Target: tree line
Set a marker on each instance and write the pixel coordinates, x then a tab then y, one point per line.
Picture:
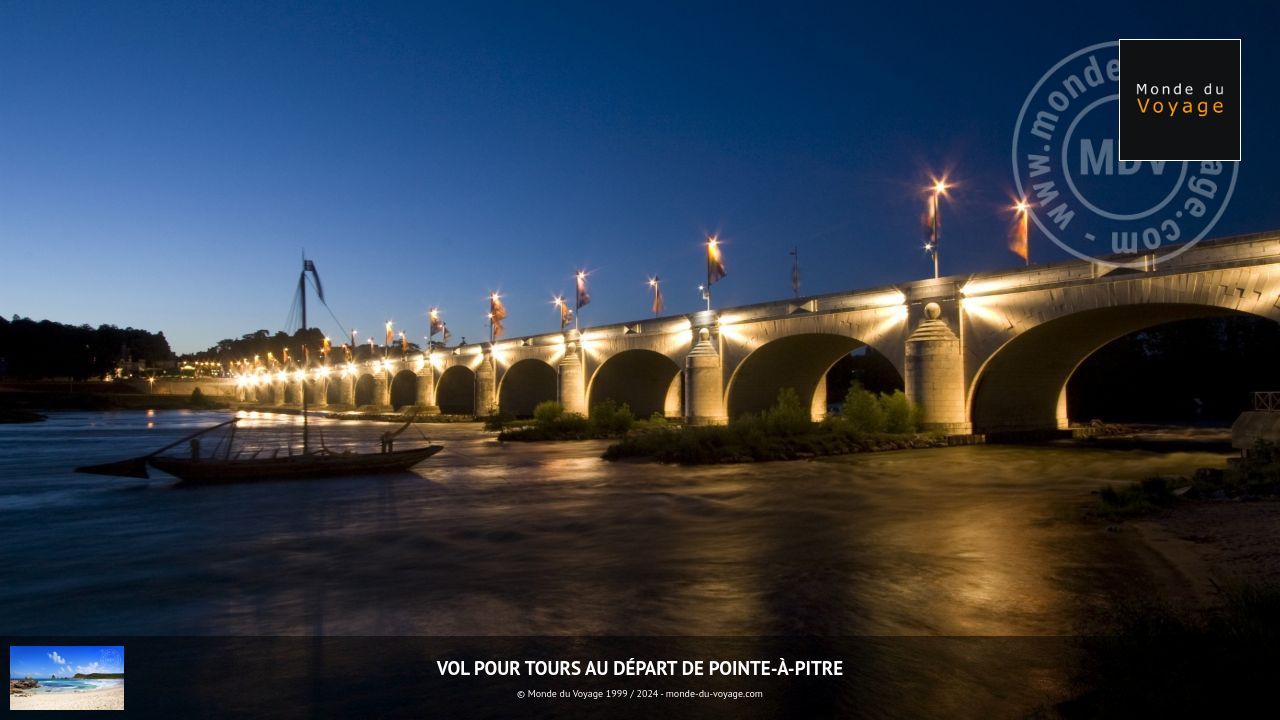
31	350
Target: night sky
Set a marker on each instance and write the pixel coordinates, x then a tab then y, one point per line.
163	165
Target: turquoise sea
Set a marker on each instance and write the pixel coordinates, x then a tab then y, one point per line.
72	685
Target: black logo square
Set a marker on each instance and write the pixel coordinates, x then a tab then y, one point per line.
1179	100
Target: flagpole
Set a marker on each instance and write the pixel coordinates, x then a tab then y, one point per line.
939	189
936	221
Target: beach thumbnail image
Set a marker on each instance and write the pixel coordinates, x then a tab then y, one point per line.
66	677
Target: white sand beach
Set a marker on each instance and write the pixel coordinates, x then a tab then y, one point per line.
108	698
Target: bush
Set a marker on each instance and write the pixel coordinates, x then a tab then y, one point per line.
788	417
1137	499
497	421
899	415
200	400
863	410
609	418
548	412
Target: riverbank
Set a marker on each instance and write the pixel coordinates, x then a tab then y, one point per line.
108	698
1217	544
1196	637
40	401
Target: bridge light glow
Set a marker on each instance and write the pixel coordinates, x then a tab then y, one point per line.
892	319
983	309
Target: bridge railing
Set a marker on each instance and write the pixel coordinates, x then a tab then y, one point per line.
1267	401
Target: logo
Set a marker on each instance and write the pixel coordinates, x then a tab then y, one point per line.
1083	197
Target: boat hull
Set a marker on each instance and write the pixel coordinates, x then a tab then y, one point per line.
298	467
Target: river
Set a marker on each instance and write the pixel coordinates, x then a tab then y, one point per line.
549	540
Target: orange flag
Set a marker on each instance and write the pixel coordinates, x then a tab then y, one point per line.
1018	241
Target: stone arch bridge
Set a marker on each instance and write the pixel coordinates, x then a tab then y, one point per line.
978	353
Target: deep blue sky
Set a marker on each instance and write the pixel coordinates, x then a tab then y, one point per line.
163	165
42	661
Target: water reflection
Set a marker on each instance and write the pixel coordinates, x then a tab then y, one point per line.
489	539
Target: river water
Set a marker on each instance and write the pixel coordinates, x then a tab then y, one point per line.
547	539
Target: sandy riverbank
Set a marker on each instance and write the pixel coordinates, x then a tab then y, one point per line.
109	698
1216	544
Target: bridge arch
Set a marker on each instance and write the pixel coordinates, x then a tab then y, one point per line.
404	389
456	391
1023	384
364	390
646	380
525	384
799	362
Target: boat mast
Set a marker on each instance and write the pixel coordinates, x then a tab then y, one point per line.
302	291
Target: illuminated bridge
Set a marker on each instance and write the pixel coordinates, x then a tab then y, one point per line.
978	353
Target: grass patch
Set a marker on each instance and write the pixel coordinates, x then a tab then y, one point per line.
1137	499
784	432
550	422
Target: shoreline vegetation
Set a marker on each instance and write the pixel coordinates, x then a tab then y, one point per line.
868	422
1254	476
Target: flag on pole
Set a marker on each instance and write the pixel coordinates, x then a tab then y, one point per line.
309	266
497	313
347	350
389	335
404	342
715	261
932	221
286	356
583	298
306	355
1018	240
325	347
565	312
437	325
795	271
445	334
656	283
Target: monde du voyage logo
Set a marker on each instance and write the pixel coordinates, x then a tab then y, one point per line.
1150	206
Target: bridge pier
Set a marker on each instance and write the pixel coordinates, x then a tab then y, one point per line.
704	386
347	390
671	406
425	401
382	390
486	386
277	392
935	374
818	406
320	391
571	388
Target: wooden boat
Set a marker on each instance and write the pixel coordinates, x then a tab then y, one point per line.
321	463
225	465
